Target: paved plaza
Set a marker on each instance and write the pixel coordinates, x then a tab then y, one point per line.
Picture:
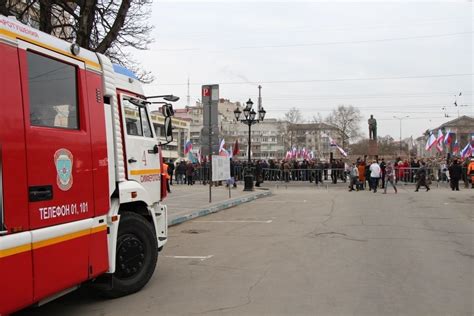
308	250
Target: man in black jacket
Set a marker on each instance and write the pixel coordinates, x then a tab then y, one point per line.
383	165
455	173
171	170
421	177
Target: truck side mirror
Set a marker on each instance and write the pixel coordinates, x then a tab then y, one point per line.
168	129
167	110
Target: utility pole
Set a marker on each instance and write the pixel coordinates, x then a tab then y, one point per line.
188	99
259	97
400	118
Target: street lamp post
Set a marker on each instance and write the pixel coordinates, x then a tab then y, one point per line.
249	119
400	118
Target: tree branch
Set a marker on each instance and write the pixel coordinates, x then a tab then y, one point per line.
114	31
86	23
45	16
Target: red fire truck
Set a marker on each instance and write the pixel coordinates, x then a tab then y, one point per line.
80	181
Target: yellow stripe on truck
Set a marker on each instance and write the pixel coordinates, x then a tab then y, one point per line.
56	240
15	250
143	172
90	63
51	241
98	229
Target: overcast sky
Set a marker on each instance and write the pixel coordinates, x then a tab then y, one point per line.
389	59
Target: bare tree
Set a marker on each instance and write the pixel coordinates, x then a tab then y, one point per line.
108	27
292	117
386	146
347	120
282	136
318	118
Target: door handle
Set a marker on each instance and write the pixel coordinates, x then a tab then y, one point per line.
132	160
40	193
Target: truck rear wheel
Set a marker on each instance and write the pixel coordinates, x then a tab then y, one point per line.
136	257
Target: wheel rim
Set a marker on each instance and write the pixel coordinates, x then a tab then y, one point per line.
131	254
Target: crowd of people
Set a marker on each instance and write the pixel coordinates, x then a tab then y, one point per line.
361	173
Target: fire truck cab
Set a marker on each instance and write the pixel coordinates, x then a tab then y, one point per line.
80	176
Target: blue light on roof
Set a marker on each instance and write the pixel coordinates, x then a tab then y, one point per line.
124	71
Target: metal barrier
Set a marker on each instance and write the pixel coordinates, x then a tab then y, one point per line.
325	175
301	175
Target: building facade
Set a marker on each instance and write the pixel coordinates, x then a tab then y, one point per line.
314	137
181	132
270	139
462	129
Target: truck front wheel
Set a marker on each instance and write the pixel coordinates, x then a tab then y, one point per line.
136	256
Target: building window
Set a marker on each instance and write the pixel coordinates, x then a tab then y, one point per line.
52	92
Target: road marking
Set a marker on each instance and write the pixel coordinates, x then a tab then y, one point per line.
264	222
202	258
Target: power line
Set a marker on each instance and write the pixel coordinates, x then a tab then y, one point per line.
320	80
320	43
394	94
297	29
390	108
354	97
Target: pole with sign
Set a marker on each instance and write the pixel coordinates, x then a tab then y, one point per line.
209	144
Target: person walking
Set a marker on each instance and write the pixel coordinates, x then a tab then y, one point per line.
354	176
470	172
361	168
232	174
455	174
189	173
421	177
383	165
181	172
171	170
166	176
374	175
334	171
286	170
258	173
389	177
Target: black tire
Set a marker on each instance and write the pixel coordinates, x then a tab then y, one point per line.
136	258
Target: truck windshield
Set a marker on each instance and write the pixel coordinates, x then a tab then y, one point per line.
136	119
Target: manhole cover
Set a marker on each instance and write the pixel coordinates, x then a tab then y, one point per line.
194	231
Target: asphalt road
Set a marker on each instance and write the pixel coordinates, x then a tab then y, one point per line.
309	251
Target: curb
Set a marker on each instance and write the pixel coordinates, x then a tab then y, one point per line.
217	208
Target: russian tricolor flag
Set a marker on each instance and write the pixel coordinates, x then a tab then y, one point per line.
456	147
467	151
448	138
431	141
439	141
187	147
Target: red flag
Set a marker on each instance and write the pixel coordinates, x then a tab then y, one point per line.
236	149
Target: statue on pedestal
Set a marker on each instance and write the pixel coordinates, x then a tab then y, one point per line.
372	128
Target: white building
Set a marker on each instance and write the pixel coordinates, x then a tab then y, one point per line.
181	132
270	139
462	129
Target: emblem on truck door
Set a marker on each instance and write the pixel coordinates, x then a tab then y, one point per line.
63	160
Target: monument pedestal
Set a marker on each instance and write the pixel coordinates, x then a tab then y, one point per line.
373	149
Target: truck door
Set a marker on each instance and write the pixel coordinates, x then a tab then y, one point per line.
16	270
143	162
59	167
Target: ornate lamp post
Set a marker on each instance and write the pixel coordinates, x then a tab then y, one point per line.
249	119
